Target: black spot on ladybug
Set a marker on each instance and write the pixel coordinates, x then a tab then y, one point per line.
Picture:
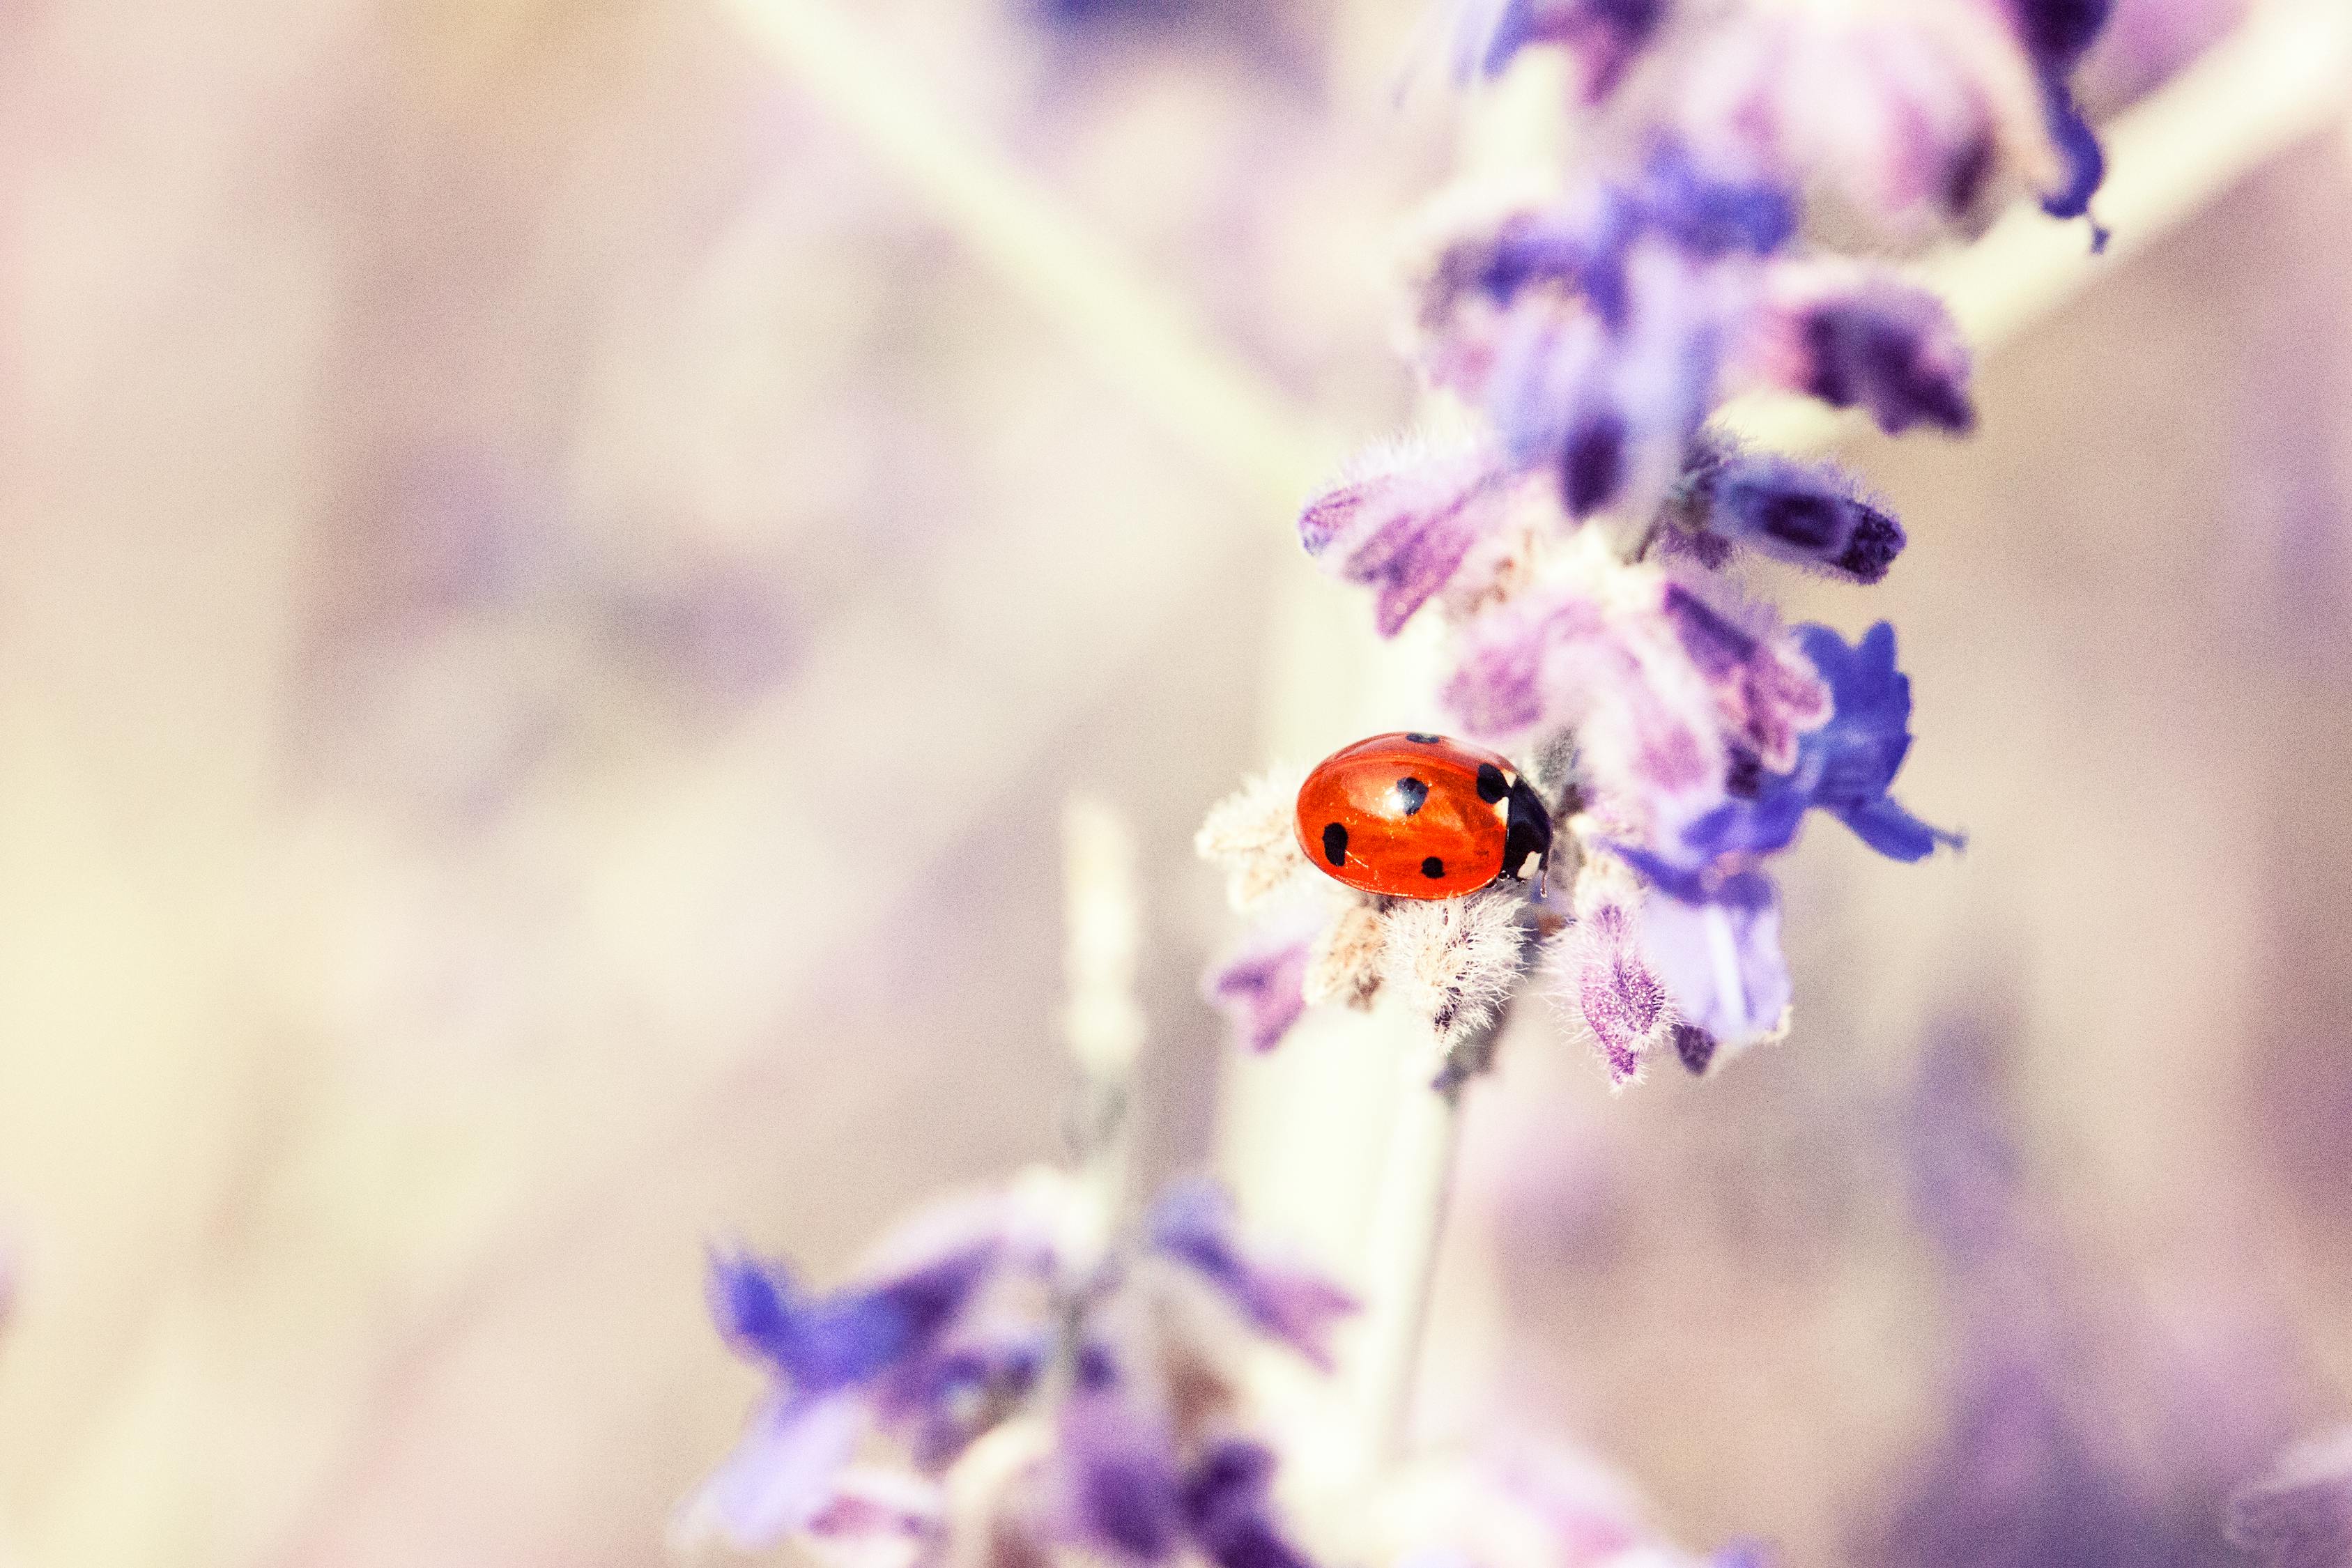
1492	786
1432	867
1414	792
1335	844
1419	739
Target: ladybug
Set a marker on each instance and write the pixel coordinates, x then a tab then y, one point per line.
1420	816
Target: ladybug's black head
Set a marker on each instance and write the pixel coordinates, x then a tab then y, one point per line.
1530	831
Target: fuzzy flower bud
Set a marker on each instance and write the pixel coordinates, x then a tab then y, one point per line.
1808	514
1859	337
1252	836
1454	961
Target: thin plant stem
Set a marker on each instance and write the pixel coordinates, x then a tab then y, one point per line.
1416	1188
1102	1022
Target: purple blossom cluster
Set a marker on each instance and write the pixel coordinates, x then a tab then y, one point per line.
1588	544
1049	1395
1050	1399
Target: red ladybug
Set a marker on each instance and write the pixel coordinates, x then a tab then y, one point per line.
1421	817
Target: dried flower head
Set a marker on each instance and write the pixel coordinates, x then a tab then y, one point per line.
1251	835
1454	961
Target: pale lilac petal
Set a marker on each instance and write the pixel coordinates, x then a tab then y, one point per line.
780	1478
1721	962
1194	1223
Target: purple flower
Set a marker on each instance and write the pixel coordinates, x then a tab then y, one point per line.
1604	36
1606	980
1229	1512
1720	959
1809	514
1193	1223
1121	1470
1262	990
1767	694
821	1344
1861	339
1846	767
2056	33
1404	527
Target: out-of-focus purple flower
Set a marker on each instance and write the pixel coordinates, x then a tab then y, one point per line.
1605	37
987	1321
1228	1510
820	1345
1809	514
1591	335
1911	113
1858	337
1120	1470
2299	1515
1262	989
1404	525
2055	34
1194	1224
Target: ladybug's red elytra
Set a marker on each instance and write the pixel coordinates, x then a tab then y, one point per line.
1418	816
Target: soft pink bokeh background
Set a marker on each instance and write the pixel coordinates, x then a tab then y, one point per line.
547	612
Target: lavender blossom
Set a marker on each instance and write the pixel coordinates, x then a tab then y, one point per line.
1844	767
1404	524
1601	975
1261	989
1720	960
1008	1360
2055	34
1859	337
1195	1224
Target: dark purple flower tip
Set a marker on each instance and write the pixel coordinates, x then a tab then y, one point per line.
1193	1223
1593	463
1894	354
1693	1048
2086	162
2058	32
849	1338
1808	514
1262	992
1228	1512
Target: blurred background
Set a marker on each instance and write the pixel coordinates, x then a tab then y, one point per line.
558	562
